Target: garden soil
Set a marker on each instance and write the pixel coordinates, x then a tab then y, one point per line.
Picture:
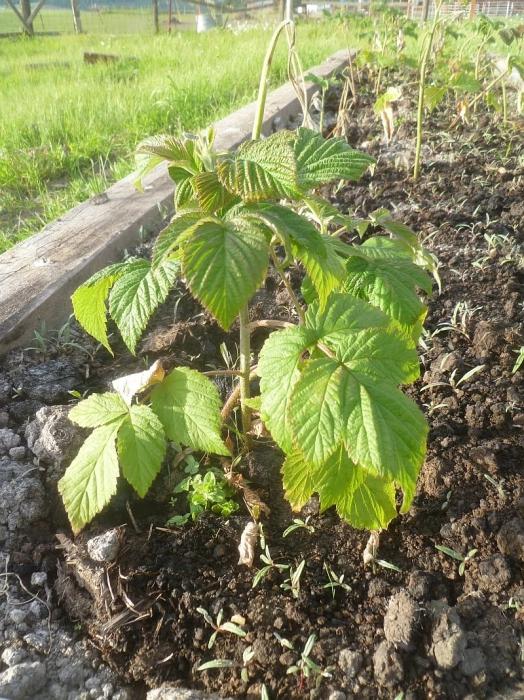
408	622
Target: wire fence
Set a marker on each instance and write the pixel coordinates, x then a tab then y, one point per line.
121	17
148	16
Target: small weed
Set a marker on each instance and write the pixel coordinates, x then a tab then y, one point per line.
293	582
463	559
335	581
233	627
269	565
305	665
299	524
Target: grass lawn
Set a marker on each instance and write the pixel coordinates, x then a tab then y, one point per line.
67	130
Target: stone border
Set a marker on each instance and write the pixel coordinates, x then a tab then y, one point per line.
38	275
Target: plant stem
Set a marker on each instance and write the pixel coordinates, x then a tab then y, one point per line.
223	373
504	104
422	89
245	360
245	343
279	268
263	84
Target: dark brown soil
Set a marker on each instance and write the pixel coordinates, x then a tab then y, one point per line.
470	493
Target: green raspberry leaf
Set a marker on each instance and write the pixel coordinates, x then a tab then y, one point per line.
141	447
91	478
278	367
137	294
316	409
263	169
363	499
321	160
325	269
188	406
288	226
300	479
169	238
210	192
388	282
89	301
98	409
386	432
383	430
224	264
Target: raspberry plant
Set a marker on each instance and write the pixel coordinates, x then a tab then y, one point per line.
329	385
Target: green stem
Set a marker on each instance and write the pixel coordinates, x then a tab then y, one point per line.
422	89
245	357
504	104
245	340
263	84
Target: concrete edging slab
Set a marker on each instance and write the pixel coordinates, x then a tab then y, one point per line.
38	275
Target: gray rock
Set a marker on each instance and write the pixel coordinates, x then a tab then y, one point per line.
22	501
17	452
38	640
11	656
39	578
18	615
337	695
169	692
104	548
350	662
387	664
8	440
448	639
23	680
402	620
4	419
53	438
50	381
510	539
473	661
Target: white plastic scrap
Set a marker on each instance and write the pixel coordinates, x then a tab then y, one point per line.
248	543
370	552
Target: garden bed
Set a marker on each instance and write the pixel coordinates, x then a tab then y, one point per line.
419	628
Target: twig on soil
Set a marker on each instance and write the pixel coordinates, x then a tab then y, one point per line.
132	518
270	323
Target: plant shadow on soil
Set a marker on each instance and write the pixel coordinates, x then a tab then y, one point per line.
142	613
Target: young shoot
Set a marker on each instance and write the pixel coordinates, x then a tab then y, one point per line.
299	524
334	580
269	565
233	626
462	558
293	582
305	665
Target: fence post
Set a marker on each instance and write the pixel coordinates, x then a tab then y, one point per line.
472	9
425	10
25	7
77	21
155	16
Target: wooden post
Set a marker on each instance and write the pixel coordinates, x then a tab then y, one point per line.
425	11
76	16
25	7
473	9
155	16
170	18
